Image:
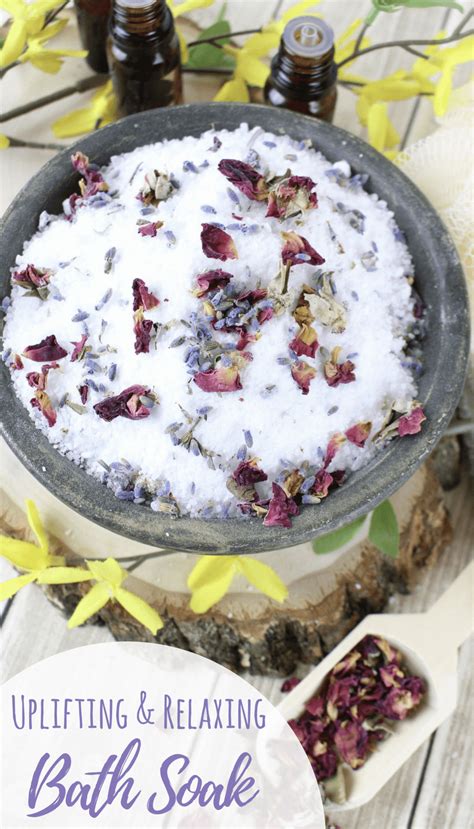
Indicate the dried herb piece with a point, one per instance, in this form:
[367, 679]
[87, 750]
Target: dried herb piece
[325, 308]
[34, 280]
[142, 296]
[47, 349]
[251, 183]
[128, 404]
[156, 187]
[217, 244]
[298, 251]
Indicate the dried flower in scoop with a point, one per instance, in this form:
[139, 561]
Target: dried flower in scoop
[142, 296]
[129, 403]
[302, 374]
[142, 329]
[93, 181]
[291, 195]
[220, 379]
[45, 351]
[336, 373]
[156, 187]
[326, 309]
[298, 251]
[280, 509]
[305, 344]
[359, 433]
[42, 402]
[410, 424]
[149, 228]
[217, 244]
[210, 281]
[34, 280]
[351, 740]
[251, 183]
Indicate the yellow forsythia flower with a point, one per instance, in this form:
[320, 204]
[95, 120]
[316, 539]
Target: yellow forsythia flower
[109, 577]
[381, 133]
[101, 110]
[4, 142]
[27, 19]
[212, 576]
[48, 60]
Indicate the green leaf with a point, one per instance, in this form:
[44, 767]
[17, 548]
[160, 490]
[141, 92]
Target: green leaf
[332, 541]
[207, 55]
[383, 530]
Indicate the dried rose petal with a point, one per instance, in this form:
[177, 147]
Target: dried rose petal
[34, 280]
[335, 442]
[400, 701]
[47, 349]
[280, 509]
[359, 433]
[290, 196]
[303, 374]
[79, 349]
[264, 315]
[351, 742]
[83, 392]
[149, 228]
[335, 372]
[17, 363]
[289, 684]
[93, 181]
[410, 424]
[143, 330]
[211, 280]
[217, 244]
[42, 402]
[322, 483]
[126, 404]
[38, 379]
[391, 675]
[219, 379]
[142, 297]
[305, 344]
[247, 473]
[298, 251]
[244, 339]
[245, 178]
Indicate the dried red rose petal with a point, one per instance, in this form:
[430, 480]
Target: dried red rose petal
[149, 228]
[289, 684]
[79, 349]
[217, 244]
[400, 701]
[39, 379]
[298, 251]
[142, 297]
[359, 433]
[251, 183]
[410, 424]
[252, 296]
[305, 344]
[218, 379]
[351, 741]
[334, 443]
[303, 374]
[126, 404]
[264, 315]
[337, 373]
[42, 402]
[290, 196]
[280, 509]
[16, 363]
[83, 392]
[323, 482]
[143, 330]
[244, 339]
[247, 473]
[211, 280]
[47, 349]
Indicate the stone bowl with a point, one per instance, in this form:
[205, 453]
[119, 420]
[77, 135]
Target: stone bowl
[439, 280]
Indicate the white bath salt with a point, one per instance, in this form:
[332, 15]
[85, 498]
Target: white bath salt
[280, 408]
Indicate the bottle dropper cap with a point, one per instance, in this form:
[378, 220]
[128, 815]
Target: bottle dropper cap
[308, 37]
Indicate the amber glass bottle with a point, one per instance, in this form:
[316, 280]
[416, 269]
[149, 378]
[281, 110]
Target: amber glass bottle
[303, 74]
[93, 23]
[144, 58]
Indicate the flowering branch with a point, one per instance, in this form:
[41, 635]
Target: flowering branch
[404, 44]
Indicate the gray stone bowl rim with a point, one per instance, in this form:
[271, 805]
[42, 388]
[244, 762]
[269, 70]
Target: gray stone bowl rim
[447, 344]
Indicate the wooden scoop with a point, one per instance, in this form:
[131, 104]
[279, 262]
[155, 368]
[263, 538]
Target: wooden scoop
[428, 643]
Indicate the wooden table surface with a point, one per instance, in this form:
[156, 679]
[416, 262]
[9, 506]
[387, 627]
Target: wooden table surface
[434, 789]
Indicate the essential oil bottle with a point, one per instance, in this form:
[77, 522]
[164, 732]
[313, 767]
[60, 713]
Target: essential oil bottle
[303, 72]
[93, 25]
[144, 56]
